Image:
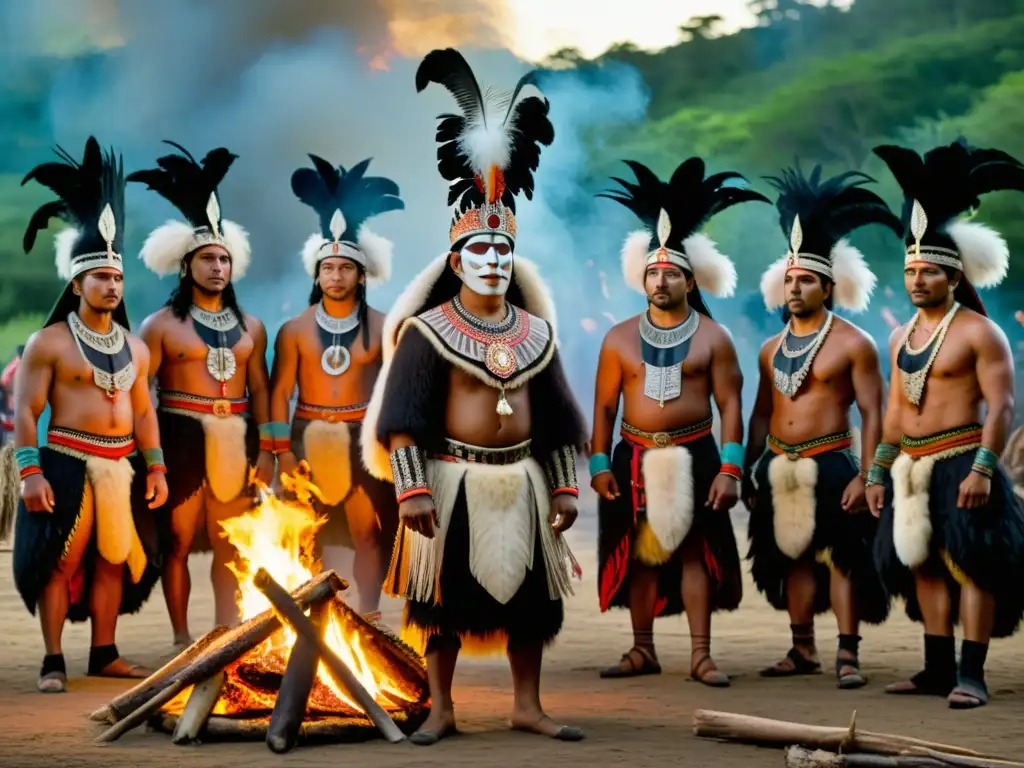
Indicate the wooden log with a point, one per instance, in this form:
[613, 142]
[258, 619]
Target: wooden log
[337, 729]
[800, 757]
[198, 708]
[140, 715]
[229, 646]
[405, 658]
[293, 695]
[293, 614]
[105, 714]
[760, 730]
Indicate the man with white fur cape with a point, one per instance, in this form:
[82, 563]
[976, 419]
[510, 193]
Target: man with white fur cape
[473, 419]
[85, 544]
[332, 351]
[665, 541]
[951, 536]
[810, 530]
[209, 360]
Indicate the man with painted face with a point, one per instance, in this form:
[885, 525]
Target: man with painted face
[332, 351]
[209, 360]
[951, 534]
[665, 541]
[810, 531]
[86, 539]
[473, 419]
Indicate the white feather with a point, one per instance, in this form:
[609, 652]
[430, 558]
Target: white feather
[338, 224]
[64, 244]
[213, 213]
[918, 220]
[379, 252]
[634, 259]
[773, 284]
[664, 228]
[311, 252]
[485, 146]
[236, 240]
[983, 251]
[713, 271]
[854, 280]
[796, 236]
[107, 225]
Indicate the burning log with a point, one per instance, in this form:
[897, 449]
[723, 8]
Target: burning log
[334, 729]
[200, 704]
[799, 757]
[229, 646]
[105, 714]
[292, 613]
[140, 715]
[290, 707]
[764, 731]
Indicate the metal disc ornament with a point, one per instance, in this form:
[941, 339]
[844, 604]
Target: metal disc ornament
[335, 360]
[220, 362]
[500, 359]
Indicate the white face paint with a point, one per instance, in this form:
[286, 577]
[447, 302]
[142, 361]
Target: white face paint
[487, 264]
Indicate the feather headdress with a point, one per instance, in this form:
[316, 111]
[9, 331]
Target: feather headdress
[938, 188]
[672, 212]
[488, 153]
[815, 217]
[191, 187]
[344, 200]
[91, 200]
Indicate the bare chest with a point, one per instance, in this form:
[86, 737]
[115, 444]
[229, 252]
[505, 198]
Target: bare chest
[950, 357]
[182, 343]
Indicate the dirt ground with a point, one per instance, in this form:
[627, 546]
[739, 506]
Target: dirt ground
[644, 721]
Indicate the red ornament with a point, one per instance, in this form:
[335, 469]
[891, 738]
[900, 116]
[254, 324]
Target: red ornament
[334, 248]
[493, 221]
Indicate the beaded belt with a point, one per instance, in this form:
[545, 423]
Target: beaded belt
[834, 442]
[664, 439]
[949, 443]
[82, 445]
[330, 414]
[186, 404]
[457, 451]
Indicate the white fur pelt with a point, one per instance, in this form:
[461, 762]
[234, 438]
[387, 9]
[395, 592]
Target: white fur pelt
[227, 466]
[712, 270]
[668, 485]
[854, 280]
[378, 253]
[793, 485]
[169, 243]
[117, 541]
[983, 251]
[912, 523]
[327, 448]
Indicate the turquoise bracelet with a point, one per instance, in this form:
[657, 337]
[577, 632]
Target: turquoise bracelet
[885, 455]
[27, 457]
[599, 462]
[732, 453]
[273, 429]
[154, 456]
[985, 462]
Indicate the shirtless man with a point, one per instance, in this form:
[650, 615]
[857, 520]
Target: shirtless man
[810, 531]
[951, 537]
[665, 541]
[209, 360]
[85, 542]
[473, 419]
[332, 350]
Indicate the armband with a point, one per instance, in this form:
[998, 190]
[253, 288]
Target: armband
[732, 460]
[560, 469]
[28, 461]
[410, 472]
[599, 462]
[154, 459]
[985, 462]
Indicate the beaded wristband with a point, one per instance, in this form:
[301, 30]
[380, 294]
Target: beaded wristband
[560, 469]
[876, 475]
[278, 437]
[885, 455]
[732, 460]
[985, 462]
[154, 459]
[28, 461]
[599, 462]
[410, 472]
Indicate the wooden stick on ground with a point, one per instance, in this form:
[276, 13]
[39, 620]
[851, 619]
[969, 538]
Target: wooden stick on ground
[760, 730]
[198, 708]
[293, 614]
[799, 757]
[140, 715]
[293, 695]
[105, 714]
[229, 646]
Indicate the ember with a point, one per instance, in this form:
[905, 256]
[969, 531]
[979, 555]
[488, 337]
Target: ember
[282, 675]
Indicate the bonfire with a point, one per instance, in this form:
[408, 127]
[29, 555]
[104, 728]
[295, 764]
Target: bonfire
[301, 667]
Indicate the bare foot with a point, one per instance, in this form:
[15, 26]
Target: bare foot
[535, 721]
[440, 724]
[123, 668]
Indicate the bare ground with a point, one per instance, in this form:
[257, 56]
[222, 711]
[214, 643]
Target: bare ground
[644, 721]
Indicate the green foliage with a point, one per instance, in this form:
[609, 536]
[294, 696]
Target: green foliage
[16, 332]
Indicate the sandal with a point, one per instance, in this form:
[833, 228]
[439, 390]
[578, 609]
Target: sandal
[628, 665]
[122, 668]
[52, 682]
[714, 678]
[850, 679]
[924, 683]
[968, 694]
[801, 666]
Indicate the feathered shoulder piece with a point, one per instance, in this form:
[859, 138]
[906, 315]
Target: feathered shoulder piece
[938, 189]
[191, 187]
[91, 201]
[816, 216]
[672, 212]
[344, 201]
[489, 152]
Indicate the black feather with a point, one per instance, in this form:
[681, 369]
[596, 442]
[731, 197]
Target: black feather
[449, 68]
